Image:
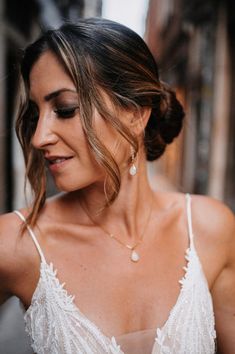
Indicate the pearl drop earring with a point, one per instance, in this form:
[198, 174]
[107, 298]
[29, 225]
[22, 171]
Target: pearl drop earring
[133, 168]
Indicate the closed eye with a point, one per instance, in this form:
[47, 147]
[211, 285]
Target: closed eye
[66, 112]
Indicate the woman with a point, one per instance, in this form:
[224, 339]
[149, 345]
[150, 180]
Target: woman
[93, 109]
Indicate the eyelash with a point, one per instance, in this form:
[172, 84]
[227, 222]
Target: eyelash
[63, 113]
[66, 112]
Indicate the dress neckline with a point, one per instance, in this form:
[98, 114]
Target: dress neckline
[52, 293]
[190, 253]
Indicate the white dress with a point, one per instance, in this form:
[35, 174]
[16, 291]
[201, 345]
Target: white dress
[57, 326]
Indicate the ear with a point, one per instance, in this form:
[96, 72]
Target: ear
[140, 119]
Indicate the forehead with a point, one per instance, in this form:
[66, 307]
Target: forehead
[48, 75]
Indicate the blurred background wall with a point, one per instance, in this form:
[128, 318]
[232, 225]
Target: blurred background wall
[193, 43]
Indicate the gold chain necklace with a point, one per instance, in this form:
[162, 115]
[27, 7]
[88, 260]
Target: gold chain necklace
[135, 257]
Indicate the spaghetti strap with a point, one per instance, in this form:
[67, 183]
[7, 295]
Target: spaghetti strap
[32, 234]
[189, 218]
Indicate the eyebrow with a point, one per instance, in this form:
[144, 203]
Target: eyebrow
[56, 93]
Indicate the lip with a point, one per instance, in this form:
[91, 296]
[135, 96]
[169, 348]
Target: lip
[56, 163]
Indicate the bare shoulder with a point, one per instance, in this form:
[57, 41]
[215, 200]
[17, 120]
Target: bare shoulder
[213, 225]
[214, 220]
[11, 253]
[210, 217]
[9, 231]
[213, 207]
[216, 224]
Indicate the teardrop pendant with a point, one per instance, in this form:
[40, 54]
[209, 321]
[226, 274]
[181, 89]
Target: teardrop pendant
[135, 256]
[133, 170]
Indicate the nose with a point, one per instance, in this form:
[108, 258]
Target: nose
[44, 134]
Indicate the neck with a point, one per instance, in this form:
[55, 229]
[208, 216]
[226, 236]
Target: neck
[127, 216]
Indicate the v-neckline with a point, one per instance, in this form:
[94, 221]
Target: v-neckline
[111, 339]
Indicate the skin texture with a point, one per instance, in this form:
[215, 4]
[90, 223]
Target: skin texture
[87, 259]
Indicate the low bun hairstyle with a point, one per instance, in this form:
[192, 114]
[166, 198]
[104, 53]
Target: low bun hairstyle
[165, 123]
[100, 56]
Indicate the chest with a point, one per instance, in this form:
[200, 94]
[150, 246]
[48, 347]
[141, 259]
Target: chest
[115, 293]
[67, 327]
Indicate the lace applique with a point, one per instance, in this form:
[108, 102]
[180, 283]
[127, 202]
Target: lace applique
[56, 326]
[190, 327]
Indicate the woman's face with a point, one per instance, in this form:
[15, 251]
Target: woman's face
[59, 132]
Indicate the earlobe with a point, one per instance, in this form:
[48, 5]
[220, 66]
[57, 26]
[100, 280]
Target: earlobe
[140, 119]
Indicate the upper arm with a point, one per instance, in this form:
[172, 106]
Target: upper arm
[224, 306]
[214, 231]
[223, 290]
[9, 231]
[224, 303]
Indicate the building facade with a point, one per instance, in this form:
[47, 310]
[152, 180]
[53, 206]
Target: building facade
[193, 43]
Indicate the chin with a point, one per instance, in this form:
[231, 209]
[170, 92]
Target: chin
[71, 186]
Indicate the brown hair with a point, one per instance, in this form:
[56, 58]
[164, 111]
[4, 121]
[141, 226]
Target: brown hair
[100, 56]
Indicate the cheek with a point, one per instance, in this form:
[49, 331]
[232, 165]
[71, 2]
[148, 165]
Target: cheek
[72, 134]
[113, 141]
[109, 137]
[120, 152]
[85, 158]
[80, 146]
